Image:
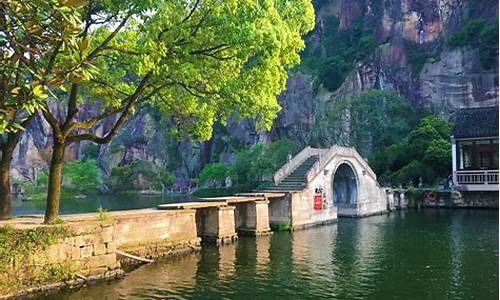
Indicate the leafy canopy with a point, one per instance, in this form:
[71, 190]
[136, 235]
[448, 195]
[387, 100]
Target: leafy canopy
[255, 165]
[197, 61]
[376, 119]
[82, 176]
[30, 30]
[425, 153]
[213, 174]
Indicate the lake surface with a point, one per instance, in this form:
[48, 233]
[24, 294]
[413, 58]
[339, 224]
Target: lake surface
[426, 254]
[92, 203]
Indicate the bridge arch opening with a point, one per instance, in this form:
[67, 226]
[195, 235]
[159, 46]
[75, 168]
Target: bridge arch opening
[345, 186]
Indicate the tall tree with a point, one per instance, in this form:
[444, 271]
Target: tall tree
[197, 61]
[30, 35]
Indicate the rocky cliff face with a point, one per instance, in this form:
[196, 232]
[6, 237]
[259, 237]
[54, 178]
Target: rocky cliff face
[409, 55]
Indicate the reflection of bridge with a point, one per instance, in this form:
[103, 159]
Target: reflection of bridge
[311, 188]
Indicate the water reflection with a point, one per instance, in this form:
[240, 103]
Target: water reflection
[262, 257]
[430, 254]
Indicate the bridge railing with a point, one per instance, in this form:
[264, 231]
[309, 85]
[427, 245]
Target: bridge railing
[325, 156]
[293, 163]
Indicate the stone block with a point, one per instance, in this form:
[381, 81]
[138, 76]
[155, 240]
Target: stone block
[97, 271]
[99, 249]
[99, 261]
[86, 251]
[110, 247]
[74, 252]
[107, 234]
[57, 253]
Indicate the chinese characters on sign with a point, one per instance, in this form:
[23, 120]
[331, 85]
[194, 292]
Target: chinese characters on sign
[319, 198]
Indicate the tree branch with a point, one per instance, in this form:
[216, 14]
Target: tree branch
[121, 120]
[72, 107]
[109, 37]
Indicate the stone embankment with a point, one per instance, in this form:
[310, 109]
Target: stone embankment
[84, 247]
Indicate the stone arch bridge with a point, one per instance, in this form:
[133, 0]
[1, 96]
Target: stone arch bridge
[337, 176]
[314, 187]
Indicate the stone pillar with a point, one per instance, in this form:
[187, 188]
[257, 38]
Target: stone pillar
[402, 200]
[254, 218]
[216, 224]
[391, 204]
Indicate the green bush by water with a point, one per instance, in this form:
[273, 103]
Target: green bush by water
[138, 175]
[80, 177]
[17, 248]
[424, 153]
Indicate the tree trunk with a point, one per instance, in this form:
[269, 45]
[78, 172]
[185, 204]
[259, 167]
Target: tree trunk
[5, 194]
[55, 180]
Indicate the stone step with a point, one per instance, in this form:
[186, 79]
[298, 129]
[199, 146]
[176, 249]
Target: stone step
[295, 177]
[296, 180]
[276, 189]
[302, 181]
[291, 183]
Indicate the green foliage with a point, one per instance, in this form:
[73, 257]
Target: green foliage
[213, 175]
[139, 174]
[417, 57]
[83, 177]
[90, 151]
[377, 119]
[32, 27]
[338, 50]
[481, 34]
[36, 190]
[17, 247]
[196, 62]
[425, 153]
[333, 72]
[57, 221]
[256, 164]
[103, 215]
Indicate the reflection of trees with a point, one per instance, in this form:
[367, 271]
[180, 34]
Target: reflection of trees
[357, 257]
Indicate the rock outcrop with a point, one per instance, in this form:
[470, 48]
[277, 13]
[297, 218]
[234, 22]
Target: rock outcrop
[442, 80]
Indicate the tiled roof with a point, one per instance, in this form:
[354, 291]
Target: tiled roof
[476, 122]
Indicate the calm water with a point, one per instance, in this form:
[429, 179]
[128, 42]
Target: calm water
[92, 203]
[429, 254]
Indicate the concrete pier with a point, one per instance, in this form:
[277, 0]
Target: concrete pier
[216, 224]
[214, 220]
[252, 218]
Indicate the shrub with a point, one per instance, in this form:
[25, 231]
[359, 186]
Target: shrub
[213, 175]
[90, 151]
[256, 164]
[377, 119]
[82, 177]
[425, 153]
[481, 34]
[139, 174]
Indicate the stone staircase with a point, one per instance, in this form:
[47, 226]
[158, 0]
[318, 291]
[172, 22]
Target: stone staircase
[296, 180]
